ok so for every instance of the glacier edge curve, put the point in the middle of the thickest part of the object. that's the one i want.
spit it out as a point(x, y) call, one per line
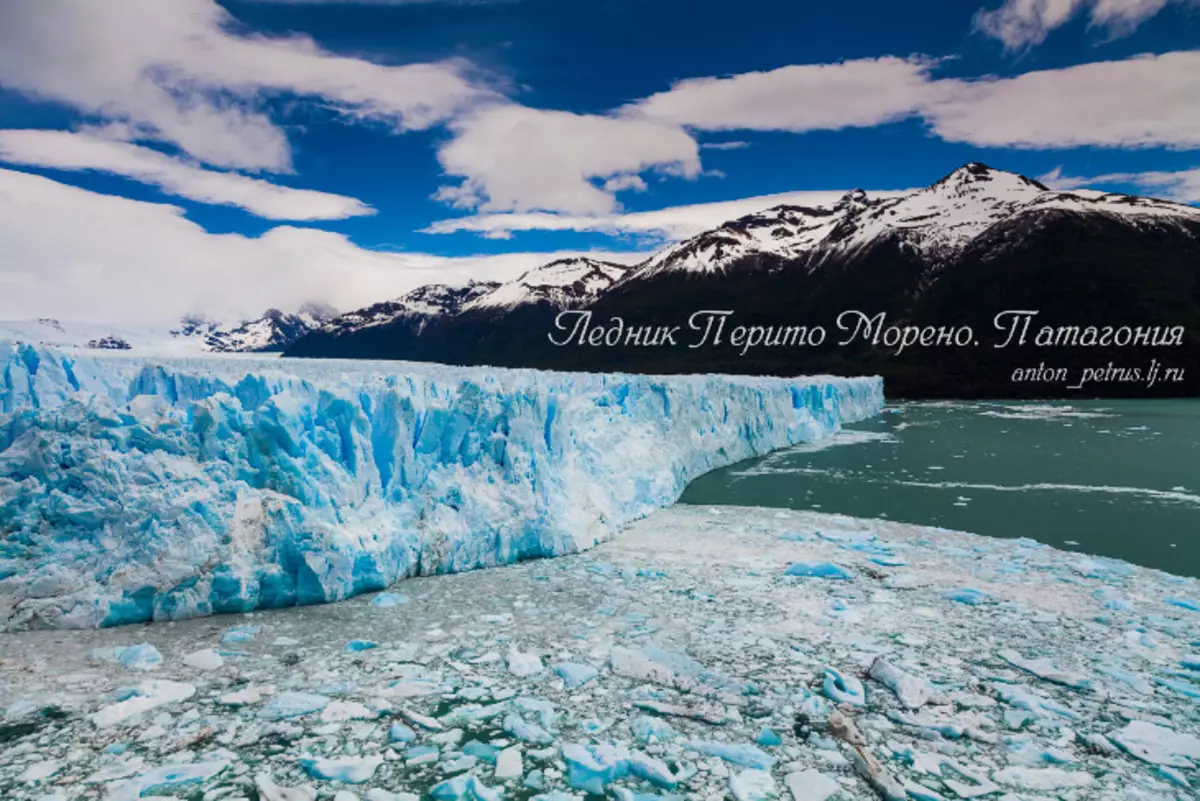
point(136, 489)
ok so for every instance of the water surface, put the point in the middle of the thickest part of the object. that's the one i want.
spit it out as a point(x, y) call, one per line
point(1115, 478)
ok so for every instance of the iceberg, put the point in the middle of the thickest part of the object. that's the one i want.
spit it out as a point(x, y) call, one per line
point(134, 490)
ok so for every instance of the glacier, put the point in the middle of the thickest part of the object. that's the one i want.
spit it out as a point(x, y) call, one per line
point(136, 489)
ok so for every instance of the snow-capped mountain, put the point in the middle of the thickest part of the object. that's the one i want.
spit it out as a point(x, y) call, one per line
point(417, 307)
point(274, 331)
point(975, 243)
point(562, 284)
point(938, 222)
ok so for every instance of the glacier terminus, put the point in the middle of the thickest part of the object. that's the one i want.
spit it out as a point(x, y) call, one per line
point(138, 490)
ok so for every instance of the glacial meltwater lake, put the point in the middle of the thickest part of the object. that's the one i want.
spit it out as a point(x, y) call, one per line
point(1113, 478)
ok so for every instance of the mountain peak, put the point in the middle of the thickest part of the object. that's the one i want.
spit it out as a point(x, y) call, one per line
point(976, 172)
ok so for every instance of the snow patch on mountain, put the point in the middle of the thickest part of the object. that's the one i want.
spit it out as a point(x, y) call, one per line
point(939, 221)
point(418, 306)
point(563, 283)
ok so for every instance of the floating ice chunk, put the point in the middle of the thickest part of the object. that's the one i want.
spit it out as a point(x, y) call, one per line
point(592, 768)
point(293, 705)
point(39, 771)
point(752, 785)
point(354, 646)
point(143, 656)
point(239, 634)
point(350, 770)
point(250, 694)
point(386, 600)
point(268, 790)
point(424, 721)
point(768, 738)
point(464, 788)
point(1045, 669)
point(672, 669)
point(913, 691)
point(1133, 680)
point(1037, 705)
point(1184, 603)
point(524, 664)
point(148, 695)
point(165, 778)
point(527, 732)
point(509, 764)
point(1041, 778)
point(648, 730)
point(557, 796)
point(376, 794)
point(744, 754)
point(968, 596)
point(207, 659)
point(421, 755)
point(810, 785)
point(341, 711)
point(825, 570)
point(399, 733)
point(575, 674)
point(1157, 745)
point(843, 689)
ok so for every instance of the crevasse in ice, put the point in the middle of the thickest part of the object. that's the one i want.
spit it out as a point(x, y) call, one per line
point(133, 490)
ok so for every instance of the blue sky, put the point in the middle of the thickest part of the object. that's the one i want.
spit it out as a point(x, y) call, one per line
point(205, 156)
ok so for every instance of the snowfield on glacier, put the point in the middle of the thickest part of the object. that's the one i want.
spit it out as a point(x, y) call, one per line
point(135, 490)
point(682, 659)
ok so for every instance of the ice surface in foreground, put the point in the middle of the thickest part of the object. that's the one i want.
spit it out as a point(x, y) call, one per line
point(133, 490)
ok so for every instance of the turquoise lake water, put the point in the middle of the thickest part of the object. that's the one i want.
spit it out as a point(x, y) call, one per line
point(1113, 478)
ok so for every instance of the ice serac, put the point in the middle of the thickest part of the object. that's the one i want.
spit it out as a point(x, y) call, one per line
point(135, 490)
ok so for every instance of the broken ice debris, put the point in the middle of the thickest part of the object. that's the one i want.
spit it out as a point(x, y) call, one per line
point(464, 788)
point(1045, 669)
point(913, 691)
point(166, 777)
point(825, 570)
point(388, 599)
point(844, 689)
point(1158, 745)
point(968, 596)
point(523, 664)
point(592, 768)
point(350, 770)
point(207, 659)
point(574, 674)
point(148, 695)
point(752, 785)
point(810, 785)
point(293, 705)
point(238, 634)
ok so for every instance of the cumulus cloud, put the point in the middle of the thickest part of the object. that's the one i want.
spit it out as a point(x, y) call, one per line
point(671, 224)
point(1146, 101)
point(64, 150)
point(1182, 186)
point(1021, 24)
point(85, 256)
point(513, 158)
point(182, 72)
point(803, 97)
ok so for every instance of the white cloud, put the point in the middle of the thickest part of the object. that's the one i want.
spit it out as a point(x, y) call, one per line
point(513, 158)
point(1021, 24)
point(733, 145)
point(79, 255)
point(64, 150)
point(1144, 101)
point(180, 72)
point(673, 223)
point(1182, 186)
point(803, 97)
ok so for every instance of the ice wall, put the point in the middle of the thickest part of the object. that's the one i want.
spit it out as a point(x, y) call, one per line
point(133, 490)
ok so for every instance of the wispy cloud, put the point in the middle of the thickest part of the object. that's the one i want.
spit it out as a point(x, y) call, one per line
point(64, 150)
point(1182, 186)
point(669, 224)
point(1021, 24)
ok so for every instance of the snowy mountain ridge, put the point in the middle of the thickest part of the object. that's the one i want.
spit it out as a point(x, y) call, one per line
point(418, 306)
point(938, 221)
point(561, 283)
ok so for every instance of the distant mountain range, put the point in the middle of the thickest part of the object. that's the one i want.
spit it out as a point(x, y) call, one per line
point(976, 243)
point(271, 333)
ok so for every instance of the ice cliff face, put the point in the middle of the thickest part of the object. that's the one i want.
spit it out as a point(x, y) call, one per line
point(133, 490)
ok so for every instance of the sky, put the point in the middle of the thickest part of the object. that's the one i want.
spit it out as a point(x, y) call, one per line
point(195, 156)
